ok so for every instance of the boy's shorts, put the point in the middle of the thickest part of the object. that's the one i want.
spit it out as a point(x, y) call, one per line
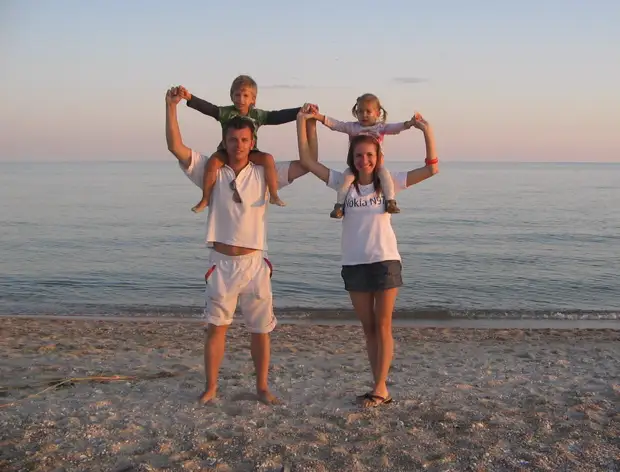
point(246, 279)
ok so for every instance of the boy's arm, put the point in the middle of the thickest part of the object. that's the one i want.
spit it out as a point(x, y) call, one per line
point(279, 117)
point(204, 107)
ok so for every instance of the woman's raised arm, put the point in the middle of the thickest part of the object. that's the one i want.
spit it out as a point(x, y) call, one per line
point(431, 168)
point(307, 142)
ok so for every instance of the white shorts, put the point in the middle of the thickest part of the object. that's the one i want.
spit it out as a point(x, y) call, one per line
point(246, 279)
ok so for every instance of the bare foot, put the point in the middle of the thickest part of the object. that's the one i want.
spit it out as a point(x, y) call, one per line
point(338, 211)
point(275, 200)
point(391, 206)
point(266, 397)
point(207, 397)
point(200, 206)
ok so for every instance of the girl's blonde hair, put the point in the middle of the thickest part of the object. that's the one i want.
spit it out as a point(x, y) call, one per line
point(369, 98)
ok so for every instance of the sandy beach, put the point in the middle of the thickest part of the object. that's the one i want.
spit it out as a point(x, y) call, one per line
point(464, 399)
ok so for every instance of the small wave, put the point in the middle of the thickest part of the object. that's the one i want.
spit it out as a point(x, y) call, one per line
point(307, 313)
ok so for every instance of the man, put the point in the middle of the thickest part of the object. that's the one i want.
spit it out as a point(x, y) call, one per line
point(236, 232)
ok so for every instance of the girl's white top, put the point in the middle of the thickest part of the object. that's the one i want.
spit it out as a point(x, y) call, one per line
point(367, 234)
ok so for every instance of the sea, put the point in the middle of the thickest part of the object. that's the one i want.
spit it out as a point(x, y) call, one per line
point(479, 240)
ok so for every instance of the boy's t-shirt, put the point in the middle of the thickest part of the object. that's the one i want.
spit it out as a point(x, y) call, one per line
point(257, 116)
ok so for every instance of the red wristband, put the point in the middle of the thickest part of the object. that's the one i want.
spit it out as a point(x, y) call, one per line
point(430, 162)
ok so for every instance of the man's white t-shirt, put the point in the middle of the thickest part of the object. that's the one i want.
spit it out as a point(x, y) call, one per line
point(230, 222)
point(367, 234)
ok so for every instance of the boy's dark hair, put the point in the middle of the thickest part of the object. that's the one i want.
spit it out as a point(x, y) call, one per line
point(238, 122)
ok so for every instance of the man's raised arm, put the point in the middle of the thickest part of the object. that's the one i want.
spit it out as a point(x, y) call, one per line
point(173, 133)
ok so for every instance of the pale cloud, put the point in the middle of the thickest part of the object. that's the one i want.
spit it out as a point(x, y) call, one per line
point(285, 86)
point(409, 80)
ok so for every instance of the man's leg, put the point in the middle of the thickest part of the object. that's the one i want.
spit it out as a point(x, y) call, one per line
point(220, 302)
point(257, 308)
point(215, 341)
point(261, 350)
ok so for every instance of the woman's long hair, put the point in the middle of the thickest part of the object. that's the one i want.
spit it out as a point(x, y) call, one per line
point(363, 138)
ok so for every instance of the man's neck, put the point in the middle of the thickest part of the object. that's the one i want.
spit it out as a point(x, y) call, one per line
point(238, 166)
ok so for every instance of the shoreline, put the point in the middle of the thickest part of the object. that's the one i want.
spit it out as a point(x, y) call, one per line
point(419, 323)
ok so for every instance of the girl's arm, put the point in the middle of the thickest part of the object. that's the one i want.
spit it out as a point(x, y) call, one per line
point(431, 168)
point(396, 128)
point(350, 127)
point(307, 142)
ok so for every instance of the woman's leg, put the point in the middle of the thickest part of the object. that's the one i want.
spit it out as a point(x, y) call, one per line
point(384, 307)
point(363, 304)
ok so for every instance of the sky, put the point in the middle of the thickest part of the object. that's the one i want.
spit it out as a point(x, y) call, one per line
point(499, 81)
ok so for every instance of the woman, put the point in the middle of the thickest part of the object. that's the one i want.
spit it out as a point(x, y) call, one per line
point(371, 264)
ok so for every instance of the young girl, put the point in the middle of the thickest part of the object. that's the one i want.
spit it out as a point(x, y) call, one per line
point(371, 117)
point(243, 93)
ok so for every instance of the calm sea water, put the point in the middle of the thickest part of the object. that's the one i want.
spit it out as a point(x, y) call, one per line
point(494, 240)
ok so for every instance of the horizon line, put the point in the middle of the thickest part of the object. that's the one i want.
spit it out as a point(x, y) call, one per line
point(133, 161)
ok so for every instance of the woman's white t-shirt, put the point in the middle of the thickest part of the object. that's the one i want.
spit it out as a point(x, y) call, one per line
point(367, 234)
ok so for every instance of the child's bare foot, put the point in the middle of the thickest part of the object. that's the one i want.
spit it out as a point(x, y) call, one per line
point(207, 397)
point(268, 398)
point(338, 211)
point(391, 206)
point(200, 206)
point(275, 200)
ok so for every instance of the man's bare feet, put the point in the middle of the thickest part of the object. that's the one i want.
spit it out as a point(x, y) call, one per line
point(266, 397)
point(275, 200)
point(207, 397)
point(200, 206)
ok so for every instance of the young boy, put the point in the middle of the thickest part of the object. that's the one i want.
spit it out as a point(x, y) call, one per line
point(243, 93)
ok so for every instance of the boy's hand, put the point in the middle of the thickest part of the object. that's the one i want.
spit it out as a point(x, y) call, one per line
point(184, 93)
